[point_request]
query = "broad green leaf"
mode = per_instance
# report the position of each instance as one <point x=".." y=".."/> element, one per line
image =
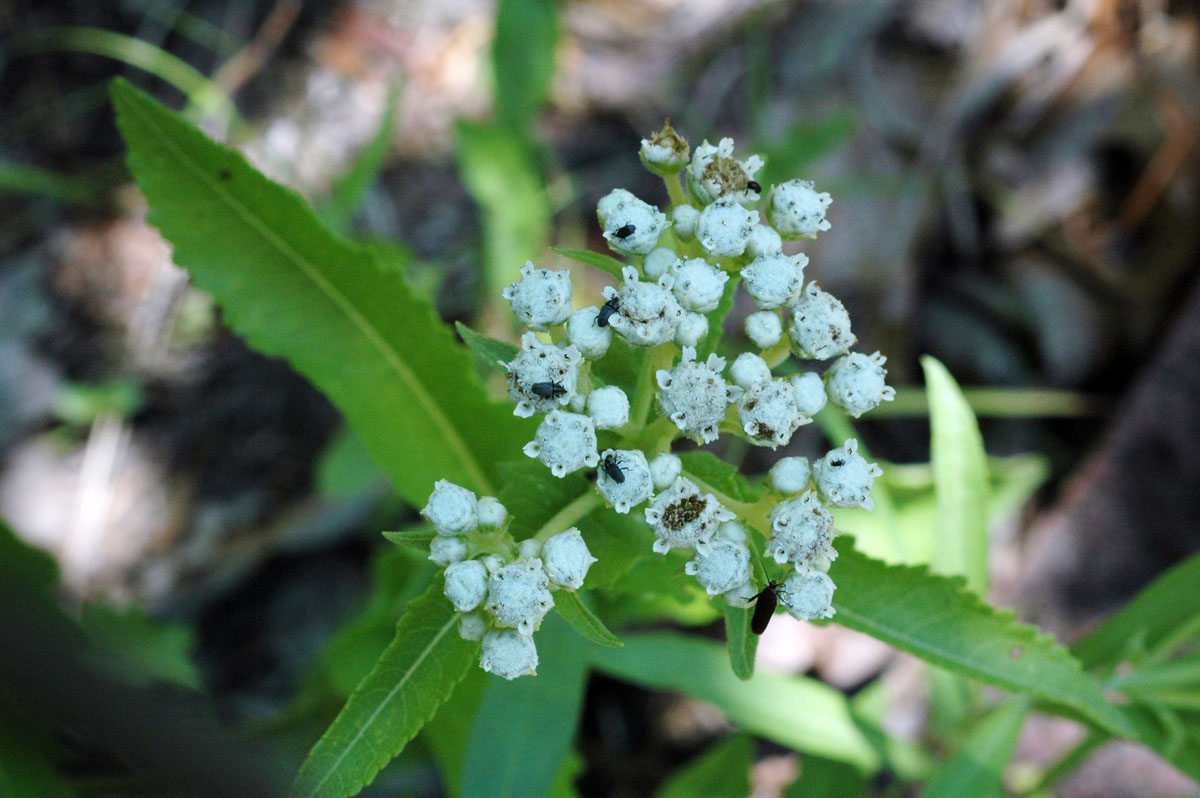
<point x="296" y="290"/>
<point x="723" y="771"/>
<point x="583" y="620"/>
<point x="621" y="364"/>
<point x="420" y="537"/>
<point x="741" y="642"/>
<point x="534" y="497"/>
<point x="713" y="474"/>
<point x="564" y="781"/>
<point x="523" y="58"/>
<point x="796" y="712"/>
<point x="137" y="649"/>
<point x="413" y="676"/>
<point x="961" y="476"/>
<point x="490" y="351"/>
<point x="27" y="763"/>
<point x="934" y="618"/>
<point x="448" y="734"/>
<point x="605" y="263"/>
<point x="977" y="767"/>
<point x="716" y="319"/>
<point x="351" y="188"/>
<point x="827" y="778"/>
<point x="346" y="470"/>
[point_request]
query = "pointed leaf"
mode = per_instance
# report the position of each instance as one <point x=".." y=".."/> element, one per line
<point x="490" y="351"/>
<point x="711" y="473"/>
<point x="740" y="640"/>
<point x="723" y="771"/>
<point x="420" y="537"/>
<point x="583" y="620"/>
<point x="605" y="263"/>
<point x="977" y="768"/>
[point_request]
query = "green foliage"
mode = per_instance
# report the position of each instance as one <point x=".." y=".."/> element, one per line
<point x="805" y="142"/>
<point x="572" y="609"/>
<point x="138" y="650"/>
<point x="715" y="475"/>
<point x="26" y="770"/>
<point x="79" y="404"/>
<point x="296" y="290"/>
<point x="523" y="59"/>
<point x="597" y="260"/>
<point x="721" y="772"/>
<point x="741" y="642"/>
<point x="716" y="318"/>
<point x="419" y="537"/>
<point x="827" y="778"/>
<point x="977" y="768"/>
<point x="490" y="351"/>
<point x="346" y="470"/>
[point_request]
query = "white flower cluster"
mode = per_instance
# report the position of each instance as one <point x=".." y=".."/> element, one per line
<point x="503" y="590"/>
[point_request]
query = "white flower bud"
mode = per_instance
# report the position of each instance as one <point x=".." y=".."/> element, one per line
<point x="724" y="227"/>
<point x="732" y="531"/>
<point x="565" y="442"/>
<point x="790" y="474"/>
<point x="508" y="654"/>
<point x="741" y="596"/>
<point x="541" y="298"/>
<point x="586" y="335"/>
<point x="845" y="478"/>
<point x="695" y="395"/>
<point x="466" y="584"/>
<point x="471" y="626"/>
<point x="810" y="392"/>
<point x="763" y="241"/>
<point x="683" y="517"/>
<point x="692" y="329"/>
<point x="529" y="548"/>
<point x="683" y="221"/>
<point x="808" y="594"/>
<point x="608" y="407"/>
<point x="578" y="403"/>
<point x="451" y="509"/>
<point x="658" y="262"/>
<point x="648" y="313"/>
<point x="665" y="152"/>
<point x="492" y="563"/>
<point x="856" y="383"/>
<point x="769" y="414"/>
<point x="722" y="568"/>
<point x="610" y="201"/>
<point x="797" y="210"/>
<point x="542" y="376"/>
<point x="820" y="327"/>
<point x="775" y="280"/>
<point x="764" y="328"/>
<point x="492" y="514"/>
<point x="518" y="595"/>
<point x="714" y="173"/>
<point x="624" y="482"/>
<point x="445" y="549"/>
<point x="664" y="469"/>
<point x="698" y="285"/>
<point x="633" y="227"/>
<point x="749" y="370"/>
<point x="567" y="559"/>
<point x="802" y="532"/>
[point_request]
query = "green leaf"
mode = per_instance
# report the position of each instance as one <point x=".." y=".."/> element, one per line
<point x="419" y="537"/>
<point x="977" y="767"/>
<point x="137" y="649"/>
<point x="26" y="763"/>
<point x="351" y="188"/>
<point x="346" y="470"/>
<point x="533" y="496"/>
<point x="711" y="473"/>
<point x="716" y="319"/>
<point x="934" y="618"/>
<point x="804" y="143"/>
<point x="605" y="263"/>
<point x="583" y="620"/>
<point x="741" y="642"/>
<point x="961" y="475"/>
<point x="449" y="732"/>
<point x="296" y="290"/>
<point x="490" y="351"/>
<point x="523" y="58"/>
<point x="413" y="676"/>
<point x="826" y="778"/>
<point x="525" y="727"/>
<point x="796" y="712"/>
<point x="723" y="771"/>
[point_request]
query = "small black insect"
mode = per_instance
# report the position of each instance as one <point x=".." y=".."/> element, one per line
<point x="606" y="310"/>
<point x="754" y="186"/>
<point x="764" y="607"/>
<point x="548" y="390"/>
<point x="625" y="231"/>
<point x="613" y="469"/>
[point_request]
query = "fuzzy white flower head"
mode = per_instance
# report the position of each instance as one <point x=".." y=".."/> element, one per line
<point x="658" y="262"/>
<point x="790" y="474"/>
<point x="664" y="469"/>
<point x="683" y="221"/>
<point x="775" y="280"/>
<point x="608" y="407"/>
<point x="714" y="173"/>
<point x="508" y="654"/>
<point x="624" y="480"/>
<point x="610" y="201"/>
<point x="466" y="584"/>
<point x="698" y="284"/>
<point x="586" y="335"/>
<point x="445" y="549"/>
<point x="648" y="313"/>
<point x="542" y="376"/>
<point x="665" y="152"/>
<point x="797" y="210"/>
<point x="749" y="370"/>
<point x="733" y="532"/>
<point x="820" y="327"/>
<point x="692" y="329"/>
<point x="633" y="227"/>
<point x="808" y="594"/>
<point x="518" y="595"/>
<point x="845" y="478"/>
<point x="764" y="328"/>
<point x="764" y="241"/>
<point x="541" y="298"/>
<point x="451" y="509"/>
<point x="722" y="568"/>
<point x="529" y="548"/>
<point x="684" y="517"/>
<point x="810" y="392"/>
<point x="567" y="559"/>
<point x="769" y="414"/>
<point x="724" y="228"/>
<point x="565" y="442"/>
<point x="742" y="596"/>
<point x="695" y="395"/>
<point x="471" y="626"/>
<point x="491" y="513"/>
<point x="802" y="532"/>
<point x="856" y="383"/>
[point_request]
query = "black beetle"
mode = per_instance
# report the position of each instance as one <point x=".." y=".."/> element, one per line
<point x="764" y="607"/>
<point x="548" y="390"/>
<point x="625" y="231"/>
<point x="754" y="186"/>
<point x="606" y="310"/>
<point x="613" y="469"/>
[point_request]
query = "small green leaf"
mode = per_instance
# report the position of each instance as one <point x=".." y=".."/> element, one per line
<point x="523" y="58"/>
<point x="723" y="771"/>
<point x="533" y="496"/>
<point x="604" y="263"/>
<point x="137" y="649"/>
<point x="710" y="473"/>
<point x="420" y="537"/>
<point x="741" y="642"/>
<point x="583" y="620"/>
<point x="413" y="676"/>
<point x="977" y="767"/>
<point x="960" y="474"/>
<point x="27" y="763"/>
<point x="827" y="778"/>
<point x="490" y="351"/>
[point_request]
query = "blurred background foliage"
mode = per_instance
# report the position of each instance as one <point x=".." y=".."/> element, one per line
<point x="1016" y="193"/>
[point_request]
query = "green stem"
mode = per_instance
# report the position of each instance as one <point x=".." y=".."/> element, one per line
<point x="568" y="516"/>
<point x="675" y="190"/>
<point x="778" y="353"/>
